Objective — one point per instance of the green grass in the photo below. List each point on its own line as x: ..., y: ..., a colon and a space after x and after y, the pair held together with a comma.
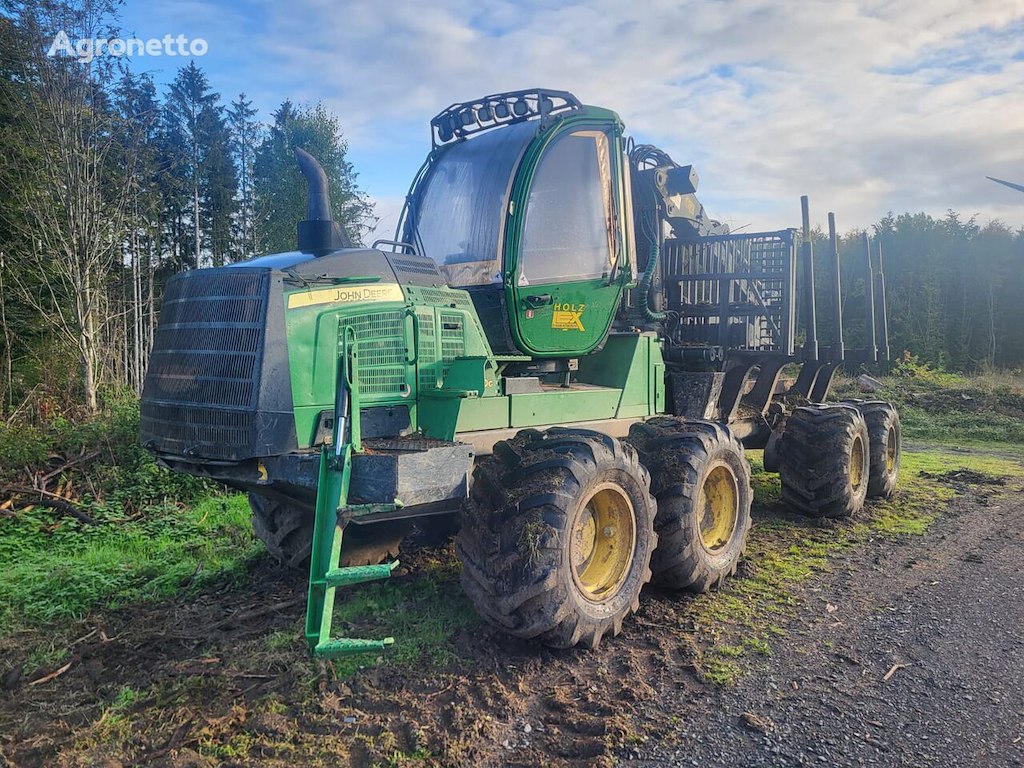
x: 62, y: 571
x: 48, y: 655
x: 278, y: 641
x: 153, y: 533
x: 109, y: 467
x: 423, y: 611
x: 125, y: 698
x: 157, y: 535
x: 953, y: 409
x: 720, y: 671
x: 960, y: 427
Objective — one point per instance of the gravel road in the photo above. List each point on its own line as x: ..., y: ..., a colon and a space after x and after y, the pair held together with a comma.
x: 910, y: 654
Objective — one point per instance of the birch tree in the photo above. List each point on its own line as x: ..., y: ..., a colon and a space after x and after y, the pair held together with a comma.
x: 73, y: 198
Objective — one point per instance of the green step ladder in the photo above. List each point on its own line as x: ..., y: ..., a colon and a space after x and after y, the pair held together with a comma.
x: 333, y: 513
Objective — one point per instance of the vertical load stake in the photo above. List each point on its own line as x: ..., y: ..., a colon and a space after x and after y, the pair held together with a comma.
x: 810, y: 312
x: 870, y: 344
x: 809, y: 381
x: 838, y: 348
x: 882, y: 307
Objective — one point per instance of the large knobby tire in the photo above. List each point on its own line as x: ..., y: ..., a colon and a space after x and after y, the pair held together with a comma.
x: 287, y: 532
x: 824, y: 461
x: 557, y: 536
x: 701, y: 481
x: 886, y: 445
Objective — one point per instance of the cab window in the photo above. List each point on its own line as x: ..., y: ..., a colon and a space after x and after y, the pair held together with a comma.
x: 568, y: 225
x: 457, y: 215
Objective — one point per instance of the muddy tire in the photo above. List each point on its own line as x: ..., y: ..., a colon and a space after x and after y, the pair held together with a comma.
x: 556, y: 539
x: 701, y: 481
x: 885, y: 445
x: 287, y: 533
x: 823, y: 461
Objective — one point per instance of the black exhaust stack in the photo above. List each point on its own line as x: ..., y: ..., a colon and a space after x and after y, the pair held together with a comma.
x: 318, y: 234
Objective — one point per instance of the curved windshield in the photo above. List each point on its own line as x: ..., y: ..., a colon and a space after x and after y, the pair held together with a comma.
x: 457, y: 213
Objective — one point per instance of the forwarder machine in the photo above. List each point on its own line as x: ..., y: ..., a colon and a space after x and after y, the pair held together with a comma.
x: 561, y: 354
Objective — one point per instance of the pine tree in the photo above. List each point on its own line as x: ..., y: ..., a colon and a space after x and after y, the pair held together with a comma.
x: 280, y: 190
x: 173, y: 188
x: 245, y: 137
x: 189, y: 97
x: 218, y: 185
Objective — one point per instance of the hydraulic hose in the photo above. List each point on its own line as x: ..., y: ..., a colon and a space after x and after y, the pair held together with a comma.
x: 641, y: 156
x: 646, y: 287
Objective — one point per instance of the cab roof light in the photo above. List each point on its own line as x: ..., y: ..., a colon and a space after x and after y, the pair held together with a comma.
x: 465, y: 119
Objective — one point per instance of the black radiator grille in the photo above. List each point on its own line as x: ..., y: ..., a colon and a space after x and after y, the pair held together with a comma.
x: 203, y: 380
x: 231, y: 428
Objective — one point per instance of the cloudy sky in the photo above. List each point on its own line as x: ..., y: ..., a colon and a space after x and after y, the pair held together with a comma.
x: 865, y: 106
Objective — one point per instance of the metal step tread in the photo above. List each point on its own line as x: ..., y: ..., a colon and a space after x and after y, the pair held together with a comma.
x: 343, y: 646
x: 357, y: 574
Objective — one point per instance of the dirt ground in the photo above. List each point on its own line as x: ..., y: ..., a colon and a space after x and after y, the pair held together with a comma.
x: 909, y: 654
x: 907, y: 651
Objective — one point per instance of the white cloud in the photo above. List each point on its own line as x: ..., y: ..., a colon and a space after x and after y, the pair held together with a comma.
x: 865, y: 106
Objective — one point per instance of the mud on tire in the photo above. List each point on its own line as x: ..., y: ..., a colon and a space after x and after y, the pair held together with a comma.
x: 287, y: 532
x: 522, y: 566
x: 885, y: 439
x: 824, y: 461
x: 693, y: 466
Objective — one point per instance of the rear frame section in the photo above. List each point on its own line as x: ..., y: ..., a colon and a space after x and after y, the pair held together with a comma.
x: 742, y: 308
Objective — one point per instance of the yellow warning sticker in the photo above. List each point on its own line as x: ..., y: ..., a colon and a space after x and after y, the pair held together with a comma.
x: 568, y: 317
x: 346, y: 294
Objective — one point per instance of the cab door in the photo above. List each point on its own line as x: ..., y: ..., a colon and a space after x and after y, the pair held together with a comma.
x: 567, y: 239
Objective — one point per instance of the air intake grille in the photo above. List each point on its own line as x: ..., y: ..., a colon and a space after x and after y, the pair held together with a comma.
x: 442, y: 297
x: 453, y: 343
x: 416, y: 266
x: 429, y: 371
x: 436, y: 352
x: 203, y: 378
x: 381, y: 345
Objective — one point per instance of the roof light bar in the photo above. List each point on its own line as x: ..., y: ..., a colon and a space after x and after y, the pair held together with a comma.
x: 460, y: 121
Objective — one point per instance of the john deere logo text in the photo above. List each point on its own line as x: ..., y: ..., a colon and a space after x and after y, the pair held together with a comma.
x: 568, y: 317
x: 345, y: 295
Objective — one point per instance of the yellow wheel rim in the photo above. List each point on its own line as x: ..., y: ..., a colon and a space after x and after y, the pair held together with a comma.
x: 857, y: 462
x: 718, y: 506
x: 602, y: 542
x: 890, y: 450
